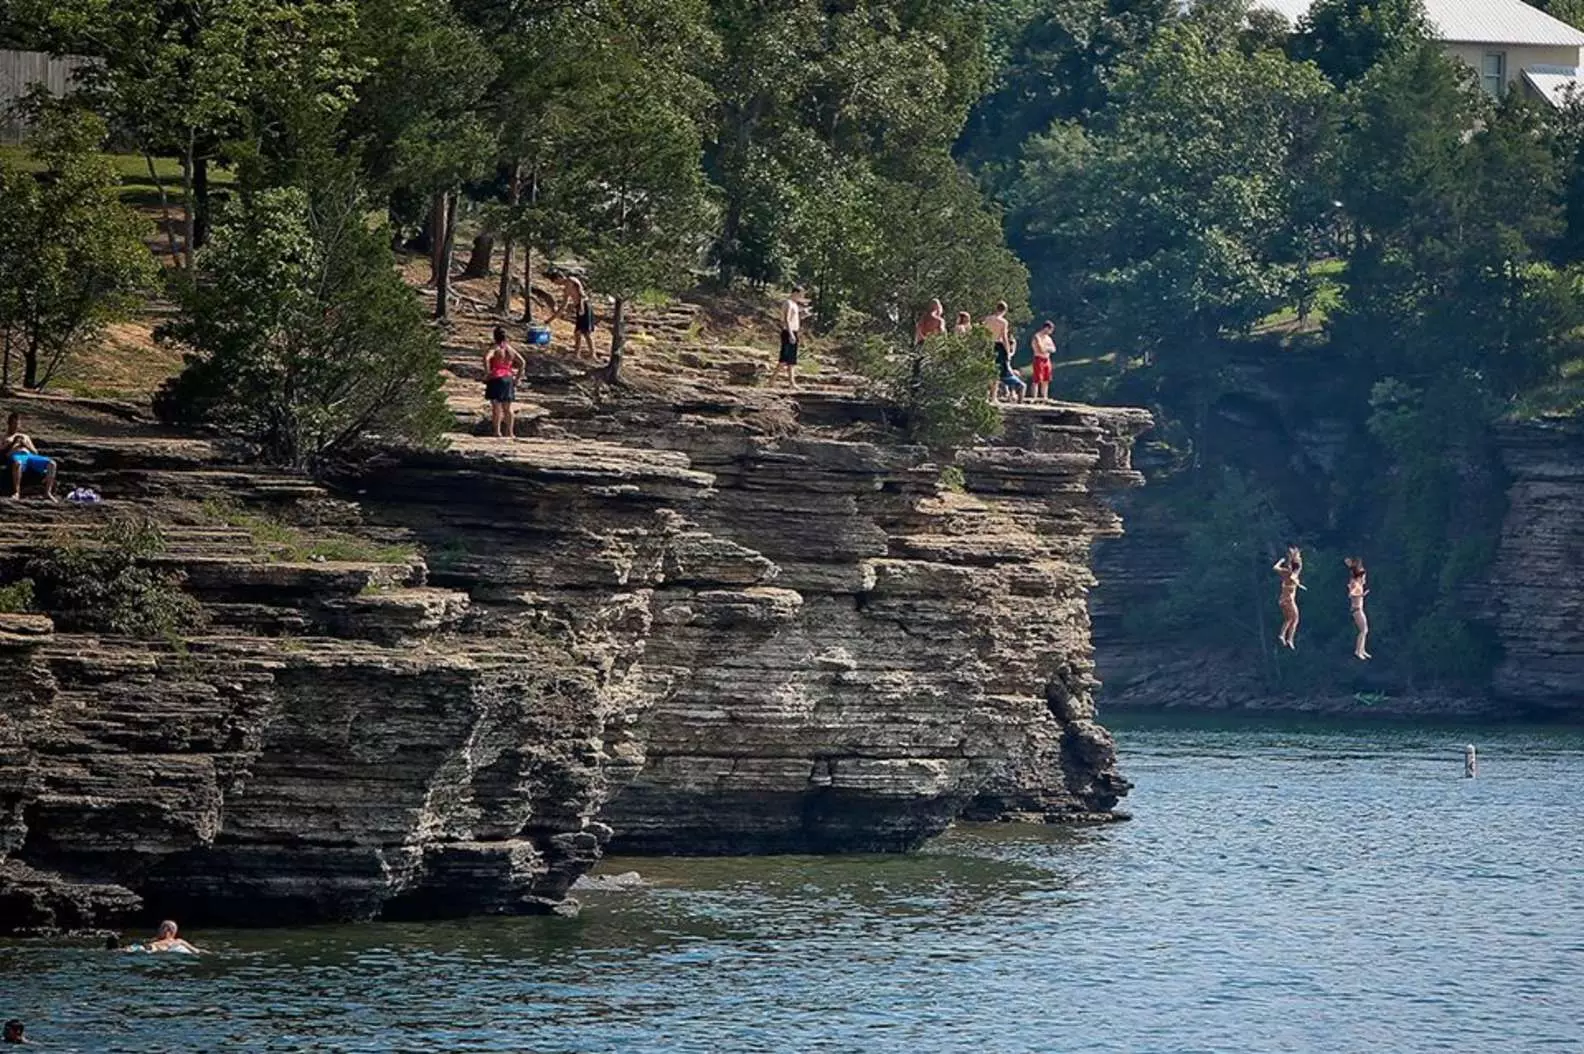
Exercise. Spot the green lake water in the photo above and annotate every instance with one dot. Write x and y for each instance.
(1313, 887)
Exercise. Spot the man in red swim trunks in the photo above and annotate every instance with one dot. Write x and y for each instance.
(1044, 348)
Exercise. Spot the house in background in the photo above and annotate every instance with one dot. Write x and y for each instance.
(1510, 44)
(20, 73)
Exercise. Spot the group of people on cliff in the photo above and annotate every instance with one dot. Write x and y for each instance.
(1289, 573)
(1009, 381)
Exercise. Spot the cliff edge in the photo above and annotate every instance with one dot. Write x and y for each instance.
(692, 619)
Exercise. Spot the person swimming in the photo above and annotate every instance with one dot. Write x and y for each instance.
(166, 940)
(1357, 590)
(1290, 570)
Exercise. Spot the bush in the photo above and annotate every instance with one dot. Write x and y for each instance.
(942, 387)
(108, 586)
(303, 337)
(16, 597)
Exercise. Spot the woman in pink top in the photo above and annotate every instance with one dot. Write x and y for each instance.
(503, 367)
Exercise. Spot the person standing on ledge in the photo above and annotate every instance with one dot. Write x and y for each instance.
(791, 333)
(964, 324)
(503, 367)
(576, 305)
(166, 940)
(1044, 347)
(1001, 333)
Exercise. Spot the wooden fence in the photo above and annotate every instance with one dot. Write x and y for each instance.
(19, 72)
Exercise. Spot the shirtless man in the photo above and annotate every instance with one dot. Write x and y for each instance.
(575, 305)
(933, 322)
(24, 457)
(1001, 333)
(1044, 348)
(167, 941)
(791, 332)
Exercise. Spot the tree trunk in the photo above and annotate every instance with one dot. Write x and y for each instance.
(200, 202)
(478, 265)
(503, 293)
(528, 283)
(513, 196)
(5, 363)
(159, 185)
(618, 340)
(30, 366)
(437, 231)
(189, 210)
(447, 246)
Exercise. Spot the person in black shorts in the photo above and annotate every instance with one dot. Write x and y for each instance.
(503, 367)
(576, 305)
(791, 333)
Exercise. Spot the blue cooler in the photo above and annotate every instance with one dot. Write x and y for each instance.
(539, 335)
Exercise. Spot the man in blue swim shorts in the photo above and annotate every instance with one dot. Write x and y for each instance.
(24, 458)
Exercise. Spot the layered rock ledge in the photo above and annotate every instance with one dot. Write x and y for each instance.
(712, 622)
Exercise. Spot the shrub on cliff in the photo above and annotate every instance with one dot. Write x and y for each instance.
(303, 338)
(110, 585)
(941, 388)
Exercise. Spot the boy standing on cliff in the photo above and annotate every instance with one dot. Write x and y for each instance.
(791, 333)
(575, 304)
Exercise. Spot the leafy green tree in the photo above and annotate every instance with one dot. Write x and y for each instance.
(939, 387)
(72, 256)
(182, 78)
(421, 116)
(1348, 38)
(1060, 67)
(1165, 225)
(302, 337)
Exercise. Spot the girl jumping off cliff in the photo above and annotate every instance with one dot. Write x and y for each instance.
(1289, 570)
(1357, 590)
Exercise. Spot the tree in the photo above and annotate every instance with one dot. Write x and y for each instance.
(72, 257)
(1060, 67)
(182, 78)
(1166, 223)
(420, 118)
(302, 337)
(651, 215)
(939, 387)
(1348, 38)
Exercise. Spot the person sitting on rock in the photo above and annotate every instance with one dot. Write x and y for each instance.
(24, 458)
(167, 941)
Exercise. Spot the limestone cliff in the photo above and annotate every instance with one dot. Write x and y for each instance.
(1535, 596)
(710, 621)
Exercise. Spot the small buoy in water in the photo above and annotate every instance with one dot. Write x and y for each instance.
(1470, 762)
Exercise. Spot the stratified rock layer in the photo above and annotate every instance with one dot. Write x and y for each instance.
(1535, 596)
(771, 641)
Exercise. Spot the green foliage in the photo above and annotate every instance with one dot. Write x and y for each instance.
(16, 597)
(940, 387)
(1348, 38)
(114, 584)
(72, 258)
(303, 339)
(1168, 219)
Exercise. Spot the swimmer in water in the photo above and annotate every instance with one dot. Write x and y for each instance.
(15, 1032)
(1290, 570)
(1357, 590)
(167, 941)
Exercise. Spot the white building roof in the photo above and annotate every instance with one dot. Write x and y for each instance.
(1556, 83)
(1473, 22)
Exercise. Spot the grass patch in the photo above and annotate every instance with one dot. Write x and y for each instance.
(137, 186)
(287, 543)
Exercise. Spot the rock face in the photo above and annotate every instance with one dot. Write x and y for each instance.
(1535, 599)
(672, 620)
